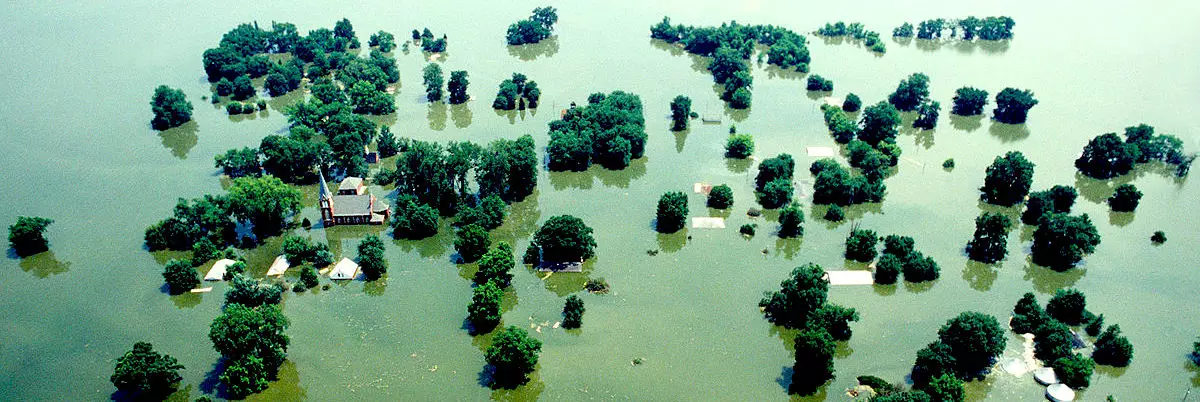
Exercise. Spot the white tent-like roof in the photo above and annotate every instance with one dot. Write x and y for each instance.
(708, 223)
(279, 267)
(1060, 393)
(217, 272)
(850, 277)
(1045, 376)
(344, 270)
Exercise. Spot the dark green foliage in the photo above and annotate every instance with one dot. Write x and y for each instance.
(27, 235)
(860, 245)
(253, 341)
(565, 238)
(434, 175)
(739, 146)
(841, 127)
(835, 213)
(747, 229)
(171, 108)
(388, 146)
(1053, 342)
(948, 163)
(834, 185)
(777, 193)
(508, 168)
(835, 319)
(284, 78)
(432, 75)
(903, 31)
(513, 354)
(1095, 325)
(539, 26)
(1028, 316)
(235, 269)
(933, 361)
(496, 266)
(1057, 199)
(251, 292)
(672, 212)
(239, 162)
(1125, 198)
(244, 376)
(931, 29)
(292, 159)
(975, 339)
(201, 217)
(370, 257)
(367, 99)
(790, 221)
(740, 99)
(1008, 180)
(344, 30)
(870, 39)
(852, 103)
(308, 277)
(911, 92)
(771, 169)
(434, 45)
(990, 242)
(1158, 237)
(1106, 156)
(224, 87)
(265, 202)
(1061, 240)
(180, 276)
(681, 107)
(888, 269)
(489, 214)
(1074, 371)
(1112, 348)
(879, 123)
(1068, 306)
(484, 310)
(610, 131)
(919, 268)
(457, 86)
(146, 374)
(384, 40)
(533, 254)
(203, 251)
(946, 388)
(1012, 105)
(900, 246)
(242, 88)
(798, 299)
(573, 312)
(596, 285)
(720, 197)
(927, 115)
(814, 361)
(819, 83)
(472, 242)
(969, 101)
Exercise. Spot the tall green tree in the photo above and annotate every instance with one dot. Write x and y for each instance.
(1007, 180)
(180, 276)
(799, 297)
(432, 75)
(1125, 198)
(1075, 371)
(1068, 306)
(1012, 105)
(672, 212)
(458, 87)
(170, 106)
(791, 220)
(720, 197)
(1107, 156)
(681, 108)
(927, 115)
(496, 266)
(880, 122)
(1113, 348)
(911, 92)
(471, 243)
(565, 238)
(814, 361)
(975, 339)
(990, 242)
(146, 374)
(513, 355)
(969, 101)
(384, 40)
(1057, 199)
(860, 245)
(239, 162)
(28, 235)
(370, 257)
(573, 312)
(946, 388)
(253, 340)
(1062, 240)
(484, 310)
(266, 202)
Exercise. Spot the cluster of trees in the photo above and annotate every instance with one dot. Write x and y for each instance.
(1054, 343)
(180, 276)
(860, 245)
(170, 106)
(1057, 200)
(610, 130)
(428, 43)
(739, 146)
(301, 250)
(1062, 240)
(990, 242)
(834, 184)
(913, 95)
(855, 30)
(1007, 180)
(253, 343)
(382, 40)
(538, 26)
(791, 219)
(236, 108)
(517, 92)
(513, 355)
(802, 303)
(1107, 156)
(986, 28)
(819, 83)
(730, 46)
(720, 197)
(263, 202)
(1012, 105)
(562, 238)
(681, 110)
(145, 374)
(969, 101)
(773, 185)
(672, 212)
(900, 257)
(967, 345)
(493, 276)
(27, 236)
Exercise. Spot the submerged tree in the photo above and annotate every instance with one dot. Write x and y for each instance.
(990, 243)
(1112, 348)
(720, 197)
(1125, 198)
(860, 245)
(739, 146)
(974, 339)
(495, 266)
(180, 276)
(472, 242)
(1057, 199)
(573, 312)
(1012, 105)
(1061, 240)
(27, 236)
(458, 87)
(146, 374)
(565, 238)
(513, 355)
(171, 108)
(911, 92)
(432, 75)
(814, 361)
(790, 221)
(370, 257)
(484, 310)
(1107, 156)
(969, 101)
(799, 297)
(681, 108)
(672, 212)
(1068, 306)
(1008, 180)
(927, 115)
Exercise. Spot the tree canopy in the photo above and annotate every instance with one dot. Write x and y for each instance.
(495, 266)
(969, 101)
(472, 242)
(457, 86)
(253, 341)
(610, 130)
(513, 355)
(370, 257)
(1062, 240)
(974, 339)
(814, 361)
(1125, 198)
(681, 109)
(860, 245)
(573, 312)
(791, 220)
(1008, 180)
(1057, 199)
(565, 238)
(799, 297)
(1113, 348)
(1012, 105)
(27, 236)
(990, 242)
(484, 310)
(720, 197)
(672, 212)
(538, 26)
(266, 202)
(911, 92)
(145, 373)
(171, 108)
(180, 276)
(739, 146)
(432, 76)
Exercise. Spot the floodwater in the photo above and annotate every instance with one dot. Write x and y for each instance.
(79, 150)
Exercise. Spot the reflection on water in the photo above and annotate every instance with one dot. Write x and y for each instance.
(980, 276)
(461, 114)
(675, 50)
(672, 242)
(186, 300)
(788, 247)
(1120, 219)
(1008, 133)
(966, 123)
(44, 265)
(609, 178)
(520, 223)
(921, 287)
(285, 387)
(546, 48)
(181, 139)
(843, 350)
(884, 290)
(565, 283)
(680, 139)
(376, 287)
(529, 391)
(1046, 280)
(774, 72)
(437, 116)
(1110, 371)
(738, 166)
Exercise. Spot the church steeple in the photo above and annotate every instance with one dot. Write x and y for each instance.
(325, 195)
(325, 200)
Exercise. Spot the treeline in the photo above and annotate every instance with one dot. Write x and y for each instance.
(730, 46)
(518, 92)
(986, 28)
(538, 26)
(210, 222)
(857, 31)
(1108, 156)
(609, 130)
(428, 42)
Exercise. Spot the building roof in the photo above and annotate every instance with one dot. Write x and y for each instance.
(279, 266)
(352, 205)
(350, 183)
(218, 269)
(345, 269)
(324, 191)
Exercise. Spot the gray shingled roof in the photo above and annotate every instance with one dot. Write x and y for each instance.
(350, 183)
(351, 205)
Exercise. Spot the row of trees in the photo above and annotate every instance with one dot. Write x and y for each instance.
(265, 203)
(986, 28)
(538, 26)
(834, 184)
(857, 31)
(517, 92)
(1108, 156)
(610, 130)
(900, 257)
(730, 46)
(802, 303)
(457, 87)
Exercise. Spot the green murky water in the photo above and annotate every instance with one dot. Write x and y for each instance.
(79, 149)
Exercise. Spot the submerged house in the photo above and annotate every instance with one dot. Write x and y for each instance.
(351, 205)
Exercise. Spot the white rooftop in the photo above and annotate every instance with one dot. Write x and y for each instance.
(821, 152)
(850, 277)
(708, 223)
(279, 267)
(345, 269)
(218, 269)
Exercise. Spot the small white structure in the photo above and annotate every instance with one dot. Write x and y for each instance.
(702, 188)
(201, 290)
(850, 277)
(708, 223)
(1045, 376)
(345, 269)
(1014, 366)
(1060, 393)
(217, 272)
(820, 152)
(279, 267)
(832, 101)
